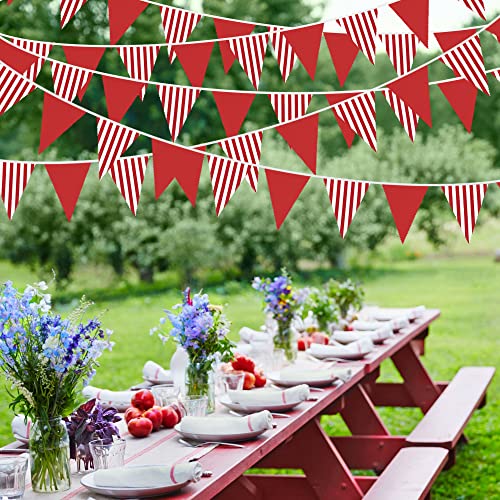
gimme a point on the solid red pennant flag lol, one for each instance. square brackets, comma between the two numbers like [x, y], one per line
[465, 57]
[68, 80]
[466, 201]
[346, 197]
[413, 89]
[173, 162]
[343, 52]
[13, 88]
[122, 14]
[359, 113]
[194, 59]
[302, 136]
[461, 94]
[476, 6]
[16, 58]
[120, 94]
[305, 42]
[14, 177]
[226, 176]
[140, 61]
[178, 24]
[362, 28]
[406, 116]
[113, 140]
[404, 202]
[128, 175]
[494, 29]
[401, 49]
[40, 49]
[284, 189]
[233, 108]
[289, 105]
[226, 28]
[177, 103]
[415, 14]
[347, 131]
[68, 9]
[58, 116]
[245, 148]
[250, 52]
[283, 52]
[68, 180]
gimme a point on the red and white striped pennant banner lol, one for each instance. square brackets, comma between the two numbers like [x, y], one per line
[250, 52]
[362, 28]
[496, 74]
[68, 9]
[113, 140]
[401, 49]
[226, 176]
[13, 88]
[178, 25]
[41, 49]
[476, 6]
[406, 116]
[140, 61]
[177, 103]
[68, 80]
[289, 105]
[245, 148]
[14, 177]
[466, 201]
[346, 197]
[283, 51]
[128, 175]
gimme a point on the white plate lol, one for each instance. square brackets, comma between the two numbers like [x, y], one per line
[353, 356]
[255, 408]
[228, 438]
[275, 378]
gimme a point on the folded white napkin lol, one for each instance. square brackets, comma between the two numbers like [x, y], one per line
[367, 325]
[377, 336]
[416, 312]
[400, 323]
[248, 335]
[154, 371]
[363, 345]
[148, 476]
[387, 314]
[117, 399]
[270, 396]
[19, 428]
[221, 426]
[301, 375]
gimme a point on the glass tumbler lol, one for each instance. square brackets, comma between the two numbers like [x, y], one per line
[233, 381]
[165, 394]
[108, 455]
[195, 406]
[13, 476]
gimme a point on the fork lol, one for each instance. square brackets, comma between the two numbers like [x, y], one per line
[274, 414]
[204, 443]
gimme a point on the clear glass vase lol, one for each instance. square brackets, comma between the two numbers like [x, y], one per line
[49, 453]
[285, 339]
[200, 382]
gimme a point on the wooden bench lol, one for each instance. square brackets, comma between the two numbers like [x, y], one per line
[410, 475]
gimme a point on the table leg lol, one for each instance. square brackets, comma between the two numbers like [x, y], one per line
[419, 342]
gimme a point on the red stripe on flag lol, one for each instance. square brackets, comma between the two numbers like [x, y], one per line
[289, 106]
[401, 49]
[68, 10]
[250, 52]
[13, 88]
[14, 177]
[362, 28]
[283, 52]
[406, 116]
[178, 24]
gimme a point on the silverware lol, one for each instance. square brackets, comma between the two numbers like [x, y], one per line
[274, 414]
[207, 473]
[203, 451]
[185, 442]
[317, 389]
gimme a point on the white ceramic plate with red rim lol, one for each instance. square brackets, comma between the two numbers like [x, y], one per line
[312, 380]
[255, 408]
[229, 438]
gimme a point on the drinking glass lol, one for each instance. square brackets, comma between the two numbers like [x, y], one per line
[165, 394]
[13, 476]
[279, 360]
[108, 455]
[196, 406]
[233, 381]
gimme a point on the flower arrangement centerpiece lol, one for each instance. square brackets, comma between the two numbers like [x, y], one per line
[347, 295]
[321, 307]
[47, 359]
[281, 302]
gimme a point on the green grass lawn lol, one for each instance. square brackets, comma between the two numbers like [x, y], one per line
[465, 289]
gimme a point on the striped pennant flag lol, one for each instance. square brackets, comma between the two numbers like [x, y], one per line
[113, 140]
[177, 103]
[250, 52]
[13, 88]
[68, 80]
[41, 49]
[289, 105]
[245, 148]
[14, 177]
[466, 201]
[359, 113]
[476, 6]
[283, 51]
[496, 74]
[226, 176]
[401, 49]
[346, 197]
[362, 28]
[128, 175]
[406, 116]
[178, 25]
[140, 61]
[68, 9]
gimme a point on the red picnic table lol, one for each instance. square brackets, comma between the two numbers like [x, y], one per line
[407, 465]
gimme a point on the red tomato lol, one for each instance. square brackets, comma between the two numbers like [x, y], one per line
[143, 399]
[169, 417]
[131, 413]
[155, 416]
[260, 380]
[249, 382]
[320, 338]
[244, 363]
[140, 427]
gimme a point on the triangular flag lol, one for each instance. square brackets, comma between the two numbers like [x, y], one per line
[194, 59]
[58, 116]
[14, 177]
[415, 14]
[406, 116]
[174, 162]
[343, 52]
[494, 29]
[305, 42]
[284, 189]
[347, 131]
[461, 94]
[227, 28]
[496, 74]
[13, 88]
[113, 140]
[140, 61]
[250, 52]
[283, 52]
[289, 105]
[362, 28]
[401, 49]
[128, 175]
[233, 108]
[40, 49]
[120, 94]
[466, 201]
[68, 80]
[177, 103]
[413, 89]
[122, 14]
[476, 6]
[404, 202]
[68, 180]
[346, 197]
[68, 9]
[302, 136]
[15, 58]
[226, 176]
